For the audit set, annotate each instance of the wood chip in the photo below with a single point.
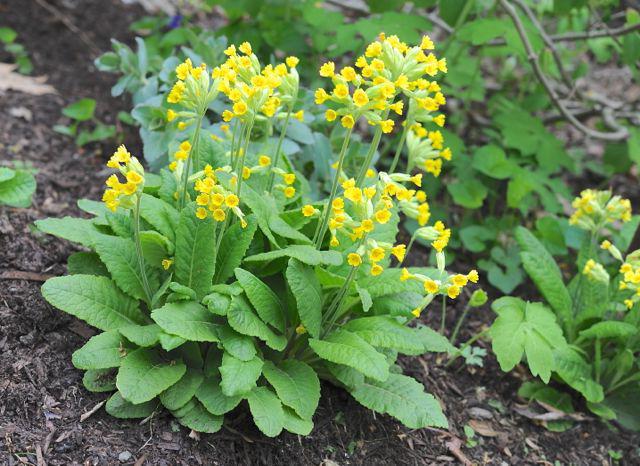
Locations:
(88, 414)
(23, 274)
(140, 461)
(483, 428)
(9, 80)
(39, 458)
(453, 446)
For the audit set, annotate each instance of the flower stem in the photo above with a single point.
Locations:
(375, 142)
(136, 233)
(322, 225)
(276, 157)
(406, 253)
(187, 168)
(443, 315)
(396, 157)
(459, 324)
(243, 156)
(334, 308)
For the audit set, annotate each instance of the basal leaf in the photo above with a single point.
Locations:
(145, 373)
(295, 424)
(609, 329)
(308, 294)
(386, 332)
(164, 217)
(243, 320)
(403, 398)
(210, 395)
(265, 301)
(237, 345)
(266, 410)
(187, 319)
(118, 407)
(296, 384)
(344, 347)
(102, 351)
(239, 377)
(195, 250)
(100, 380)
(233, 247)
(76, 230)
(194, 416)
(305, 254)
(182, 391)
(142, 335)
(88, 263)
(96, 300)
(18, 190)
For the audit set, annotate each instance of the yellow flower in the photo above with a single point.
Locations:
(473, 276)
(606, 244)
(399, 251)
(227, 115)
(628, 303)
(300, 330)
(347, 121)
(387, 126)
(289, 192)
(171, 115)
(334, 242)
(416, 312)
(397, 107)
(203, 199)
(374, 49)
(292, 61)
(264, 160)
(182, 125)
(353, 194)
(366, 225)
(354, 260)
(348, 73)
(382, 216)
(453, 291)
(330, 115)
(321, 96)
(201, 213)
(299, 115)
(417, 180)
(459, 280)
(431, 286)
(427, 43)
(308, 210)
(439, 120)
(376, 254)
(217, 199)
(166, 263)
(327, 70)
(240, 108)
(219, 215)
(231, 200)
(185, 146)
(376, 270)
(360, 98)
(230, 51)
(370, 173)
(289, 178)
(341, 91)
(246, 173)
(245, 48)
(173, 165)
(181, 155)
(405, 275)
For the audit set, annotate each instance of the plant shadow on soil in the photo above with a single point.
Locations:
(41, 394)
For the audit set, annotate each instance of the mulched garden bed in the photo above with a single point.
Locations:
(46, 415)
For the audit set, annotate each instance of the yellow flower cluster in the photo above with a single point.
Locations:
(412, 203)
(216, 200)
(426, 149)
(193, 90)
(119, 194)
(388, 69)
(594, 209)
(180, 155)
(451, 285)
(254, 90)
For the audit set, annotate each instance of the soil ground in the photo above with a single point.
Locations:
(41, 395)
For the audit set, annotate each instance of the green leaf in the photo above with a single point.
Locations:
(145, 373)
(170, 342)
(181, 392)
(239, 377)
(365, 298)
(305, 254)
(210, 395)
(577, 373)
(142, 335)
(265, 301)
(100, 380)
(77, 230)
(343, 347)
(160, 215)
(102, 351)
(237, 345)
(261, 210)
(18, 190)
(233, 247)
(118, 407)
(433, 341)
(266, 410)
(295, 424)
(195, 248)
(6, 173)
(243, 320)
(187, 319)
(194, 416)
(121, 259)
(492, 161)
(469, 193)
(296, 384)
(609, 329)
(545, 273)
(387, 332)
(7, 35)
(96, 300)
(403, 398)
(86, 263)
(82, 110)
(525, 328)
(308, 294)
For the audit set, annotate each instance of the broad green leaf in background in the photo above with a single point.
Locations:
(233, 247)
(308, 294)
(96, 300)
(403, 398)
(525, 328)
(17, 190)
(492, 161)
(81, 110)
(469, 193)
(145, 373)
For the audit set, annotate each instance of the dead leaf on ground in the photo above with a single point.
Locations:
(483, 428)
(34, 85)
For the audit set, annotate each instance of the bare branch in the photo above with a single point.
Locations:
(618, 135)
(596, 33)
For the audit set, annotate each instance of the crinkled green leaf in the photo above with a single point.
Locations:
(102, 351)
(210, 395)
(296, 384)
(142, 335)
(239, 377)
(164, 217)
(387, 332)
(403, 398)
(182, 391)
(243, 320)
(76, 230)
(18, 190)
(145, 373)
(118, 407)
(343, 347)
(187, 319)
(88, 263)
(237, 345)
(266, 410)
(233, 247)
(264, 301)
(96, 300)
(196, 417)
(295, 424)
(100, 380)
(305, 254)
(308, 294)
(570, 365)
(609, 329)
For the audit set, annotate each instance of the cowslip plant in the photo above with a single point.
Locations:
(586, 334)
(17, 186)
(218, 282)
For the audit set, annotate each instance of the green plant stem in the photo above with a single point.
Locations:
(136, 234)
(443, 314)
(322, 225)
(187, 168)
(375, 142)
(598, 359)
(276, 157)
(334, 308)
(459, 324)
(406, 253)
(243, 156)
(621, 383)
(396, 157)
(468, 343)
